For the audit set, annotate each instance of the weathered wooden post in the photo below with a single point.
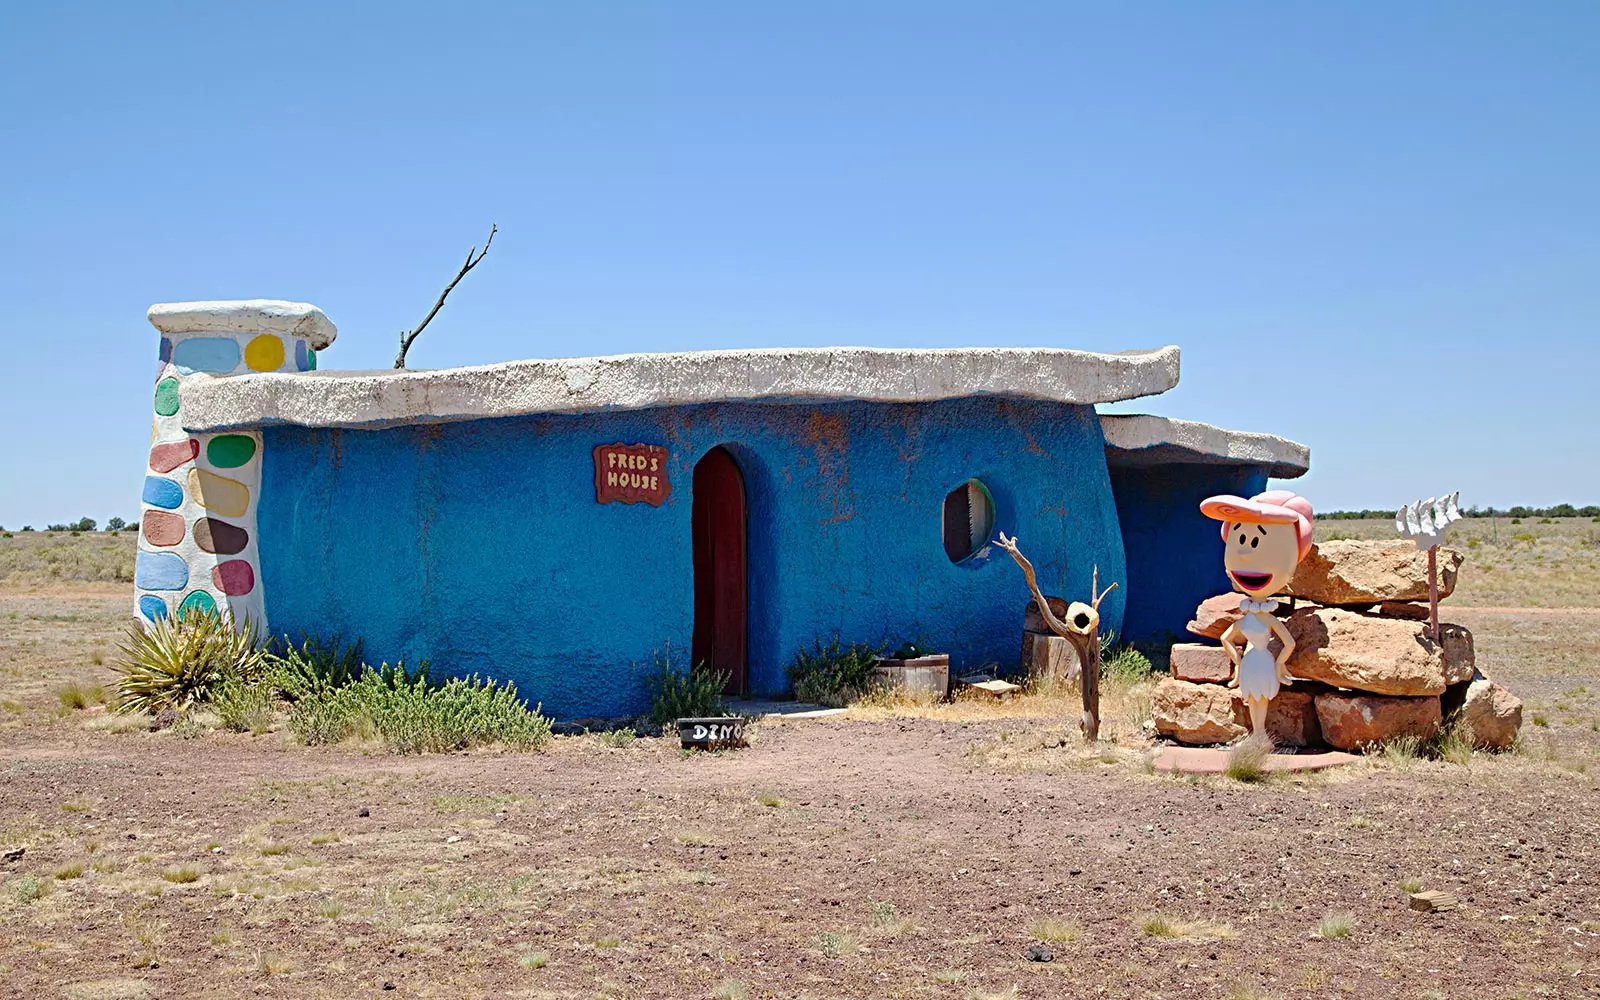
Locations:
(1091, 663)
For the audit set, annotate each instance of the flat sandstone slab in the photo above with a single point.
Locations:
(1365, 572)
(1390, 656)
(1214, 760)
(1194, 661)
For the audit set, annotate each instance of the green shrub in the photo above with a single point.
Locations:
(243, 707)
(179, 661)
(28, 889)
(834, 674)
(676, 693)
(412, 715)
(1122, 664)
(316, 667)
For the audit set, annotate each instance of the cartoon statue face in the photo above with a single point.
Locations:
(1260, 558)
(1264, 538)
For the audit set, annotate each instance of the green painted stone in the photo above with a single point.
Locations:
(167, 397)
(198, 600)
(311, 359)
(229, 451)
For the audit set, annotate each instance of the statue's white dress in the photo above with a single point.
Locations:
(1258, 669)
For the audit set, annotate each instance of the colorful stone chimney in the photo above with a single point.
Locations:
(197, 531)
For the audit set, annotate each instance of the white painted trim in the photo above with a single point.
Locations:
(640, 381)
(1142, 439)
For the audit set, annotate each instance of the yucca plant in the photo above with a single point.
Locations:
(180, 660)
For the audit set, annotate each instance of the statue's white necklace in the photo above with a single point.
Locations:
(1268, 606)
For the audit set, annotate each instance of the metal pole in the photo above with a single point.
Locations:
(1433, 592)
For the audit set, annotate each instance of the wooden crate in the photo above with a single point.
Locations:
(925, 676)
(1050, 656)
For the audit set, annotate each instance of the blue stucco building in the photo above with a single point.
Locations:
(565, 523)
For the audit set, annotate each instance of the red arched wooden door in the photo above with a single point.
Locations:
(719, 567)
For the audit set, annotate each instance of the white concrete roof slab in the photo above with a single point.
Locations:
(641, 381)
(300, 319)
(1141, 439)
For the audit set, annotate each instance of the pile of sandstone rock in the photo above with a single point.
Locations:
(1366, 667)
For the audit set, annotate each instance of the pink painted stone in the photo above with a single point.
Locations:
(234, 577)
(166, 457)
(1210, 760)
(161, 528)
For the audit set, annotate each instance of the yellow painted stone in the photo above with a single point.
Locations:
(225, 496)
(264, 353)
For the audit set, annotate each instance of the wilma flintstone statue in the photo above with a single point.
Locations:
(1264, 538)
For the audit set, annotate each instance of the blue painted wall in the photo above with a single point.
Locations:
(479, 545)
(1174, 552)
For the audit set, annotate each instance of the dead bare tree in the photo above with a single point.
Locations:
(473, 258)
(1081, 629)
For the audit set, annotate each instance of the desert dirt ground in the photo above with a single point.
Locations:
(869, 856)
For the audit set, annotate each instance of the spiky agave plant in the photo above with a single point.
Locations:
(180, 660)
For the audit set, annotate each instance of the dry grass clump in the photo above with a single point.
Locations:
(1247, 762)
(272, 964)
(1335, 925)
(77, 695)
(886, 920)
(1162, 926)
(1452, 744)
(838, 944)
(1055, 929)
(182, 876)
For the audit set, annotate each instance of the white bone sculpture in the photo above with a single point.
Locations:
(1425, 521)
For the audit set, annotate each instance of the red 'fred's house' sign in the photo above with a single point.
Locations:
(631, 473)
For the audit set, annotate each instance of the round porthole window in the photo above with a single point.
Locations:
(968, 520)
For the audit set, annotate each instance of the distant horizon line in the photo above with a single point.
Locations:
(89, 524)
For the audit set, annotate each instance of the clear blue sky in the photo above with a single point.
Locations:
(1372, 227)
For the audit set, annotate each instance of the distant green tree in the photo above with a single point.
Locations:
(116, 524)
(84, 524)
